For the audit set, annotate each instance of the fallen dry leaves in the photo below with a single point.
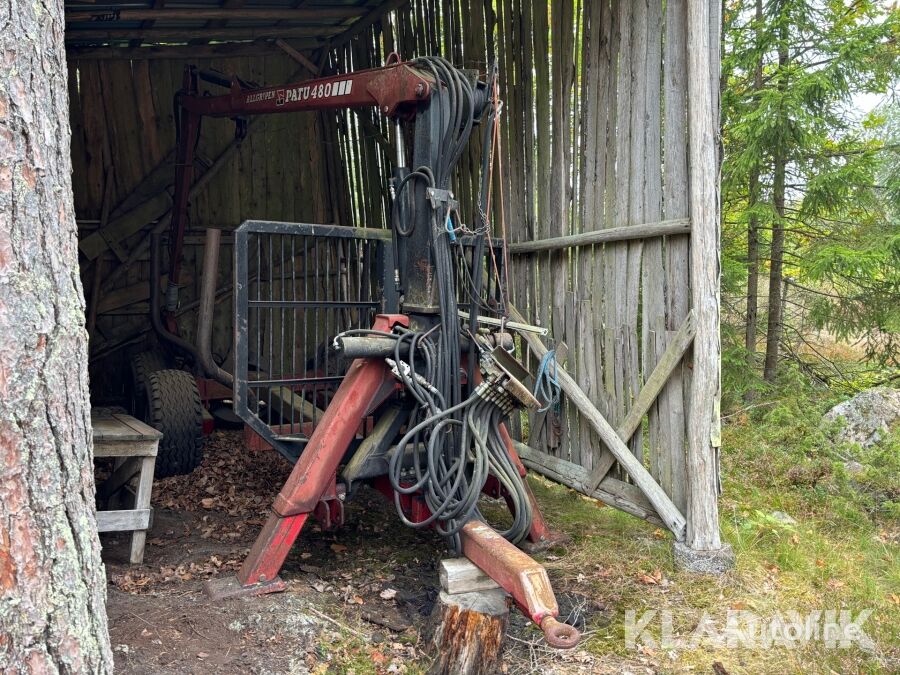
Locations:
(652, 579)
(137, 582)
(231, 479)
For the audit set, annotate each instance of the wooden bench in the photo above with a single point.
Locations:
(134, 444)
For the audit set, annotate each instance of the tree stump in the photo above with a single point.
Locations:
(469, 632)
(469, 621)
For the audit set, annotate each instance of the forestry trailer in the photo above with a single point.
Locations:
(375, 356)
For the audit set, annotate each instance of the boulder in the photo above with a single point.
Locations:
(868, 416)
(784, 518)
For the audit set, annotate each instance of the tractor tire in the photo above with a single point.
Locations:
(175, 409)
(142, 364)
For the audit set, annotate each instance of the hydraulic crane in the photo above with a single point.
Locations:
(451, 386)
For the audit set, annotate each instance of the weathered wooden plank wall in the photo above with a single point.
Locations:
(122, 115)
(594, 136)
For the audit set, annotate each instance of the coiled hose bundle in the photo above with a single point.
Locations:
(452, 445)
(450, 471)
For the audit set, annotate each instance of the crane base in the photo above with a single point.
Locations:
(222, 588)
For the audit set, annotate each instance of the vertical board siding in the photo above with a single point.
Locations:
(593, 136)
(675, 205)
(123, 126)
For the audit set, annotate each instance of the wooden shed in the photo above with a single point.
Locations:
(606, 187)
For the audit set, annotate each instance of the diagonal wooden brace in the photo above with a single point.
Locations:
(667, 510)
(647, 395)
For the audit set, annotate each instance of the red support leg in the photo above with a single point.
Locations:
(540, 536)
(270, 549)
(367, 384)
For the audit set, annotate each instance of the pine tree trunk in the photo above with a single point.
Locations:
(52, 582)
(776, 257)
(752, 272)
(753, 231)
(776, 262)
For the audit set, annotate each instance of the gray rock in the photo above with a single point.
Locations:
(717, 561)
(868, 416)
(854, 468)
(782, 517)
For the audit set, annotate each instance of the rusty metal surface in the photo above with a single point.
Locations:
(520, 576)
(222, 588)
(558, 634)
(389, 89)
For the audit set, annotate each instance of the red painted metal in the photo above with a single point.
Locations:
(388, 88)
(330, 511)
(256, 443)
(414, 506)
(311, 488)
(212, 390)
(365, 386)
(188, 135)
(270, 549)
(520, 576)
(540, 533)
(394, 89)
(209, 424)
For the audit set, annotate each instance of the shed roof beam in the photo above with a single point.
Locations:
(179, 34)
(224, 13)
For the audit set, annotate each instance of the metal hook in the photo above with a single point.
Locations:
(558, 634)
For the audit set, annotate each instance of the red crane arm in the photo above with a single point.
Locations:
(388, 89)
(393, 89)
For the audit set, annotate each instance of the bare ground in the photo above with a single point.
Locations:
(358, 599)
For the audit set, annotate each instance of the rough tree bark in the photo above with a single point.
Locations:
(776, 264)
(752, 271)
(52, 583)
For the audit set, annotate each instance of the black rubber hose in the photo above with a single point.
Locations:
(155, 316)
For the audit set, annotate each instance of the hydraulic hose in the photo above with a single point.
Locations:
(461, 436)
(155, 309)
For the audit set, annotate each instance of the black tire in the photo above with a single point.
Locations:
(175, 409)
(142, 364)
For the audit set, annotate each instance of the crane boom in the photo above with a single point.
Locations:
(389, 89)
(394, 89)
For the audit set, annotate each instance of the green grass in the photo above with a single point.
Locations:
(842, 553)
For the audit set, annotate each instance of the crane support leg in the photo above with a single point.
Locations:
(520, 576)
(368, 383)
